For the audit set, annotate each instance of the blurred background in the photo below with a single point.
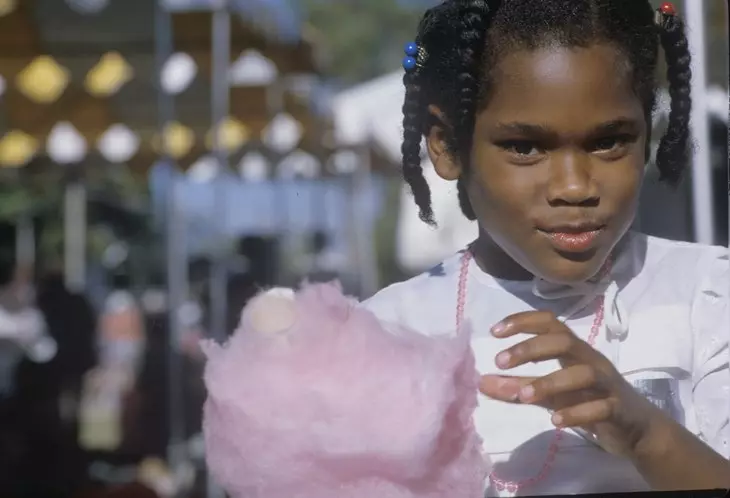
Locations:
(161, 160)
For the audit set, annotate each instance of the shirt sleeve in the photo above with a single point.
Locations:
(384, 304)
(711, 362)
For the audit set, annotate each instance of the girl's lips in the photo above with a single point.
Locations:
(573, 241)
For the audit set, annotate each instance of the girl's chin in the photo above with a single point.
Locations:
(567, 269)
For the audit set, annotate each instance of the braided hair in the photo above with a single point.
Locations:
(461, 40)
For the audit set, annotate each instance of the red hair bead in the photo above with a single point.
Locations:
(668, 9)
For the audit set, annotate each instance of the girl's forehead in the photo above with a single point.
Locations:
(557, 79)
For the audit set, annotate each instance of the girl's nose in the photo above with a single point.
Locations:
(571, 182)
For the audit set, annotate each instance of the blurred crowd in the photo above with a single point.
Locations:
(84, 388)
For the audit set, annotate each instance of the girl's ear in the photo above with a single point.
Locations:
(443, 160)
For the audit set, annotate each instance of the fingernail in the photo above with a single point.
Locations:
(502, 359)
(557, 420)
(527, 392)
(499, 329)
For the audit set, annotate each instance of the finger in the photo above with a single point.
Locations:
(528, 322)
(576, 380)
(540, 348)
(503, 388)
(584, 414)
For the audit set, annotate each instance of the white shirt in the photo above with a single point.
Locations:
(667, 330)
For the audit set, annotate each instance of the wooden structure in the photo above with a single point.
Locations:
(116, 48)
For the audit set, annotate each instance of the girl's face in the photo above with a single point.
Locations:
(556, 163)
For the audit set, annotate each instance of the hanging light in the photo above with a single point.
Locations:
(253, 167)
(177, 140)
(252, 69)
(65, 144)
(178, 73)
(43, 80)
(283, 133)
(299, 164)
(204, 170)
(118, 144)
(343, 162)
(16, 149)
(7, 7)
(233, 134)
(109, 75)
(115, 254)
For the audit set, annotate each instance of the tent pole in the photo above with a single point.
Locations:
(220, 103)
(166, 114)
(363, 224)
(702, 206)
(74, 237)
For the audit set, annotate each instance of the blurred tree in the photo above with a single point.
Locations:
(363, 39)
(41, 196)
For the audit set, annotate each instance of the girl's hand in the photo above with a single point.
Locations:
(587, 392)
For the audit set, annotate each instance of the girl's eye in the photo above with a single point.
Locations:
(611, 144)
(521, 148)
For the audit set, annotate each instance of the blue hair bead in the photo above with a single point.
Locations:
(411, 49)
(409, 63)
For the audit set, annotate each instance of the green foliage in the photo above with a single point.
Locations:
(362, 39)
(42, 196)
(17, 198)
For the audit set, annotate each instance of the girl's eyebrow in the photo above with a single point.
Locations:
(624, 124)
(617, 125)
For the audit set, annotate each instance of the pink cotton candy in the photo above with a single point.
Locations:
(313, 397)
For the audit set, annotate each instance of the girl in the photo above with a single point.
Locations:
(604, 352)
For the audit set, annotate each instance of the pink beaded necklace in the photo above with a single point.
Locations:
(553, 449)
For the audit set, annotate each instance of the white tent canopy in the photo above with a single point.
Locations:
(371, 111)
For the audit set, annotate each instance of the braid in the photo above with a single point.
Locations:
(673, 152)
(413, 111)
(469, 22)
(471, 48)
